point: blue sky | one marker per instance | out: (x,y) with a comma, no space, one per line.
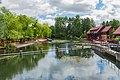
(100,5)
(46,10)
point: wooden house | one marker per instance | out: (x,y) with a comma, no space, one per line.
(117,32)
(105,33)
(94,33)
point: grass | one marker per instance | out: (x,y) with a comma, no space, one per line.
(1,47)
(7,57)
(60,41)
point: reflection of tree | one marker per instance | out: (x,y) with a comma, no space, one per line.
(11,66)
(59,54)
(86,53)
(35,47)
(81,52)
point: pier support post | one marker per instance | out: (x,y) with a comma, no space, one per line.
(57,49)
(118,56)
(82,46)
(71,48)
(41,50)
(20,52)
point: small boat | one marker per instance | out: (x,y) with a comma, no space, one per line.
(42,41)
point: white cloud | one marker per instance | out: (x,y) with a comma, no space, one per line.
(51,22)
(29,7)
(67,1)
(36,8)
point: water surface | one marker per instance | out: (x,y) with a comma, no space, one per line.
(81,64)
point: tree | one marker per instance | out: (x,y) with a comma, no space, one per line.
(67,28)
(17,27)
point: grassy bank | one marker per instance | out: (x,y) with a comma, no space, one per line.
(60,41)
(7,57)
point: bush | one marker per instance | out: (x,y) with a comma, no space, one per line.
(76,38)
(118,38)
(83,36)
(10,46)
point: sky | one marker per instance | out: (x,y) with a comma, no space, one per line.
(46,10)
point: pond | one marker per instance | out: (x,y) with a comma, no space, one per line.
(82,64)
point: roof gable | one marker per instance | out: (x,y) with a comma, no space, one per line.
(95,30)
(117,31)
(107,28)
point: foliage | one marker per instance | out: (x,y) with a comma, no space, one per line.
(71,28)
(118,38)
(114,23)
(16,27)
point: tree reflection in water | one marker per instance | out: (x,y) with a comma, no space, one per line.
(9,67)
(83,53)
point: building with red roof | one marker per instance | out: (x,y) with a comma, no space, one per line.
(105,33)
(100,32)
(94,33)
(117,31)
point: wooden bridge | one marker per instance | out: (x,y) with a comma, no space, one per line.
(104,49)
(40,51)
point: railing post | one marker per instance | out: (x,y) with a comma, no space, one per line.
(20,52)
(41,50)
(118,56)
(71,48)
(57,49)
(82,46)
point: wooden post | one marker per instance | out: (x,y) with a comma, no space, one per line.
(82,46)
(57,49)
(20,52)
(41,50)
(118,56)
(117,47)
(71,48)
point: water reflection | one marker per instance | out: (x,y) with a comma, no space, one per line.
(64,65)
(9,67)
(34,47)
(84,53)
(101,66)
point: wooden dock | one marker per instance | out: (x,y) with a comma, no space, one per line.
(106,50)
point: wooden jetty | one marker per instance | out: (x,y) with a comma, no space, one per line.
(106,50)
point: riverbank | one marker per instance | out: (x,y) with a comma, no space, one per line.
(7,57)
(60,41)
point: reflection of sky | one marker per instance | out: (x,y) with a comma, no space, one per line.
(101,66)
(51,51)
(51,68)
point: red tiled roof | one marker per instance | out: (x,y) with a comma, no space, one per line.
(100,27)
(117,31)
(94,30)
(106,29)
(90,30)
